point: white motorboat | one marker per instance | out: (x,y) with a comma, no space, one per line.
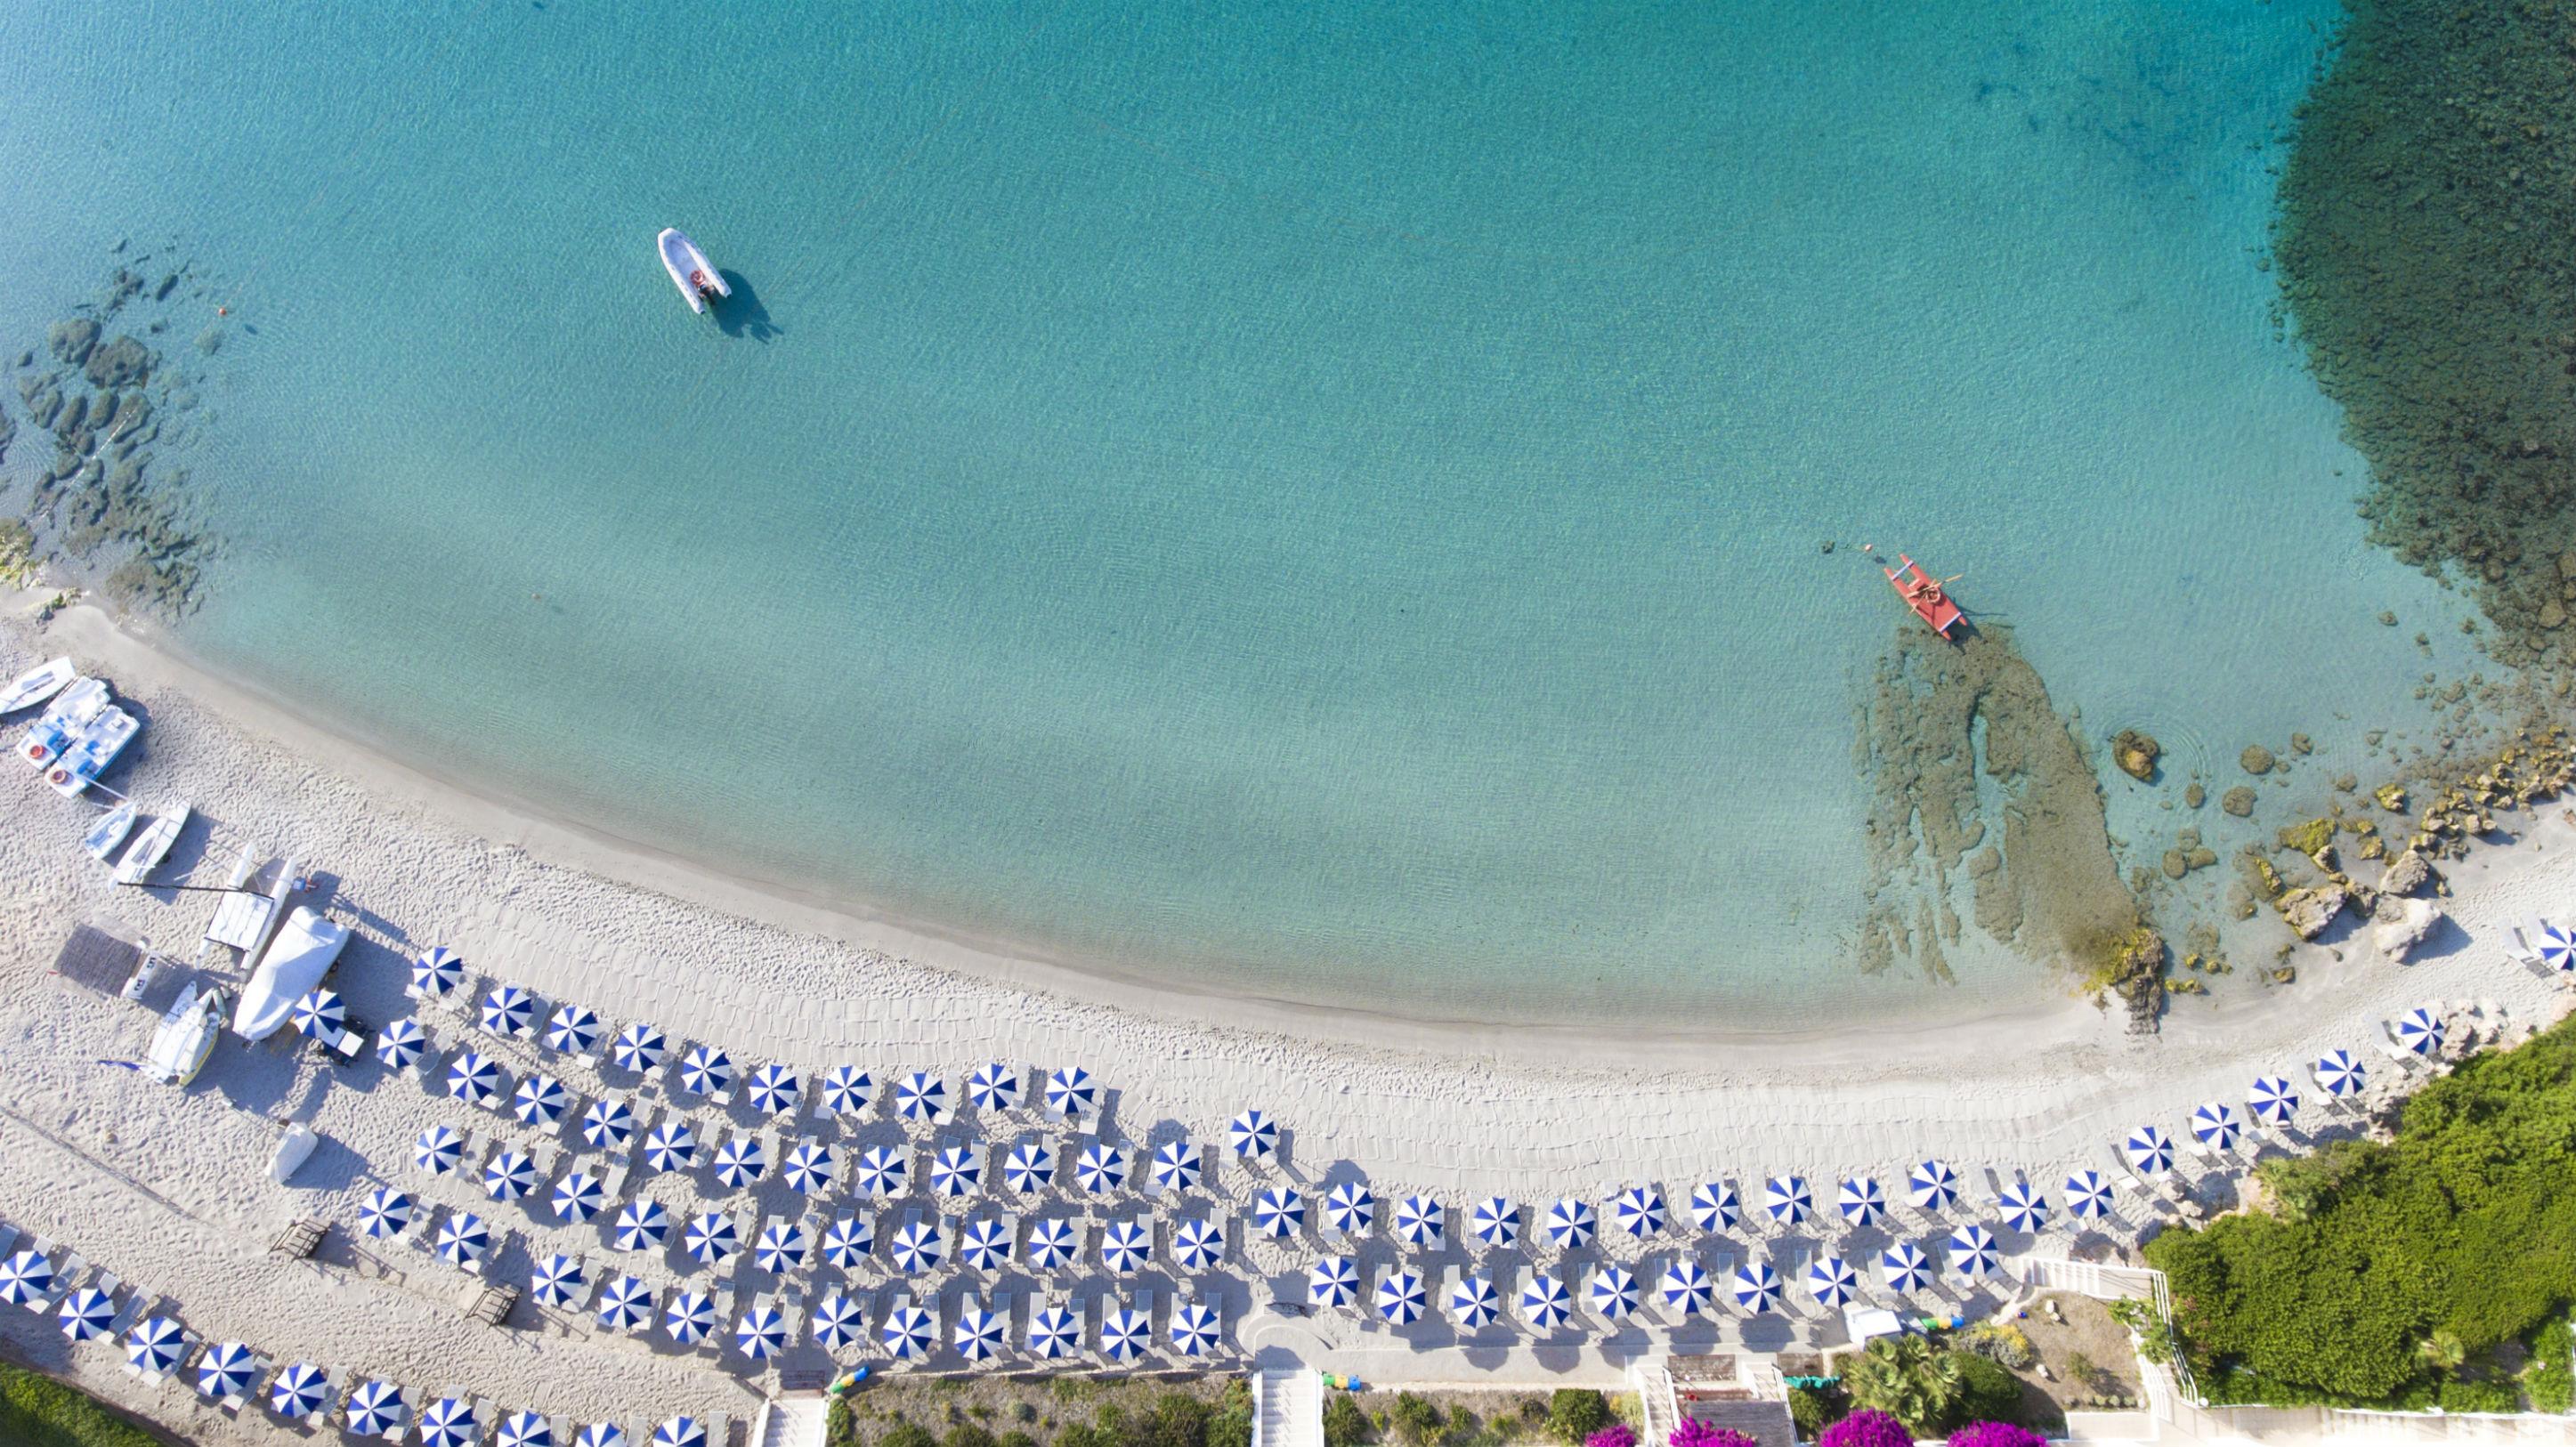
(109,832)
(695,276)
(152,845)
(294,962)
(293,1149)
(185,1037)
(83,762)
(36,685)
(62,725)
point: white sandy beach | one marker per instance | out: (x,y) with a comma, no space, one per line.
(167,1189)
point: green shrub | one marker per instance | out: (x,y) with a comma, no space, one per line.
(2458,1396)
(1574,1413)
(2000,1341)
(968,1434)
(1024,1412)
(906,1434)
(1816,1408)
(1987,1392)
(1017,1438)
(840,1425)
(1910,1379)
(1416,1421)
(1345,1425)
(2549,1380)
(1083,1434)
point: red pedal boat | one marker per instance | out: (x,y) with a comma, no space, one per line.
(1923,594)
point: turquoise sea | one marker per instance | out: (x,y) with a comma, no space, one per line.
(1321,500)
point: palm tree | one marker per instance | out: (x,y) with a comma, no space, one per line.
(1907,1378)
(2444,1351)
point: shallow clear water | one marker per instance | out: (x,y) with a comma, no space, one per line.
(1324,500)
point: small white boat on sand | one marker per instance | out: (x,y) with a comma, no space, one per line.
(294,962)
(83,762)
(695,276)
(151,846)
(109,832)
(293,1149)
(63,725)
(36,685)
(185,1037)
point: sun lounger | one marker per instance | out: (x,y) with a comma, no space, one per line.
(719,1430)
(791,1311)
(8,1238)
(560,1427)
(716,1340)
(126,1315)
(486,1416)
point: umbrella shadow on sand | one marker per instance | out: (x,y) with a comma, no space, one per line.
(741,314)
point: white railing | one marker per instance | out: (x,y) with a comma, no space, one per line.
(2106,1282)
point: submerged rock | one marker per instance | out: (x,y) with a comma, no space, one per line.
(2256,759)
(2238,801)
(2135,752)
(124,362)
(2194,796)
(71,341)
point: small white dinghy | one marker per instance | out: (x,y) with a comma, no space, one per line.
(64,724)
(109,832)
(152,846)
(293,1150)
(36,685)
(695,276)
(186,1037)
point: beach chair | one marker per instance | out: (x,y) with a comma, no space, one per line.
(723,1295)
(560,1428)
(8,1238)
(126,1315)
(719,1430)
(335,1393)
(791,1311)
(487,1416)
(70,1276)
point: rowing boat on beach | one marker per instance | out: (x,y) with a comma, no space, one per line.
(36,685)
(109,832)
(695,276)
(152,846)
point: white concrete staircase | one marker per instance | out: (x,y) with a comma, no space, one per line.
(1288,1408)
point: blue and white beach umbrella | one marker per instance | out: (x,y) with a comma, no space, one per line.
(1905,1267)
(1614,1293)
(706,1070)
(26,1278)
(1126,1246)
(156,1346)
(320,1015)
(508,1010)
(956,1172)
(1101,1168)
(1054,1333)
(2088,1195)
(643,1225)
(2555,944)
(740,1161)
(524,1429)
(994,1087)
(1474,1303)
(87,1314)
(438,1151)
(2340,1073)
(916,1247)
(600,1434)
(2419,1030)
(2273,1100)
(840,1322)
(1757,1287)
(1029,1167)
(1071,1091)
(401,1044)
(775,1090)
(1197,1243)
(2024,1206)
(712,1238)
(882,1170)
(761,1333)
(985,1244)
(377,1409)
(640,1047)
(227,1370)
(848,1240)
(1714,1206)
(575,1030)
(541,1100)
(680,1432)
(921,1096)
(848,1090)
(449,1422)
(509,1175)
(1972,1251)
(2149,1151)
(1125,1334)
(810,1168)
(1861,1201)
(1639,1211)
(1351,1208)
(1421,1221)
(1496,1222)
(690,1316)
(1278,1211)
(463,1238)
(626,1304)
(557,1280)
(386,1212)
(1399,1298)
(2214,1125)
(1686,1287)
(1831,1280)
(781,1247)
(1051,1244)
(1194,1329)
(609,1125)
(909,1333)
(1178,1166)
(1545,1303)
(436,974)
(1932,1186)
(298,1391)
(978,1337)
(671,1146)
(1333,1281)
(474,1078)
(1253,1136)
(1571,1224)
(1786,1200)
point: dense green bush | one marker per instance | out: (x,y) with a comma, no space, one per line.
(906,1434)
(1345,1423)
(2465,1222)
(968,1434)
(1573,1414)
(840,1426)
(1910,1379)
(2549,1380)
(2000,1341)
(1987,1392)
(1018,1439)
(2480,1397)
(1816,1408)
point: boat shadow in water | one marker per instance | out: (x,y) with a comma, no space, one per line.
(741,314)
